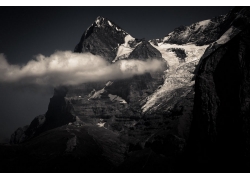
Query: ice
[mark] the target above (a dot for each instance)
(124, 49)
(110, 23)
(127, 39)
(178, 75)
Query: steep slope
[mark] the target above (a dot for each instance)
(220, 129)
(200, 33)
(102, 38)
(60, 112)
(144, 50)
(142, 124)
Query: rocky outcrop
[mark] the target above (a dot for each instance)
(200, 33)
(207, 31)
(154, 122)
(220, 130)
(143, 51)
(102, 38)
(60, 112)
(19, 135)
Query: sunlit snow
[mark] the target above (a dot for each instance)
(101, 124)
(110, 23)
(228, 35)
(202, 24)
(124, 49)
(179, 74)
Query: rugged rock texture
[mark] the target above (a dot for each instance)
(102, 38)
(143, 124)
(220, 130)
(60, 112)
(19, 135)
(200, 33)
(204, 32)
(95, 149)
(144, 51)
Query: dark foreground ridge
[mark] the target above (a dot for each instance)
(103, 127)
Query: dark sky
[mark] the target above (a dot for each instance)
(28, 31)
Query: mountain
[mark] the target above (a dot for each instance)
(191, 116)
(201, 33)
(102, 38)
(220, 128)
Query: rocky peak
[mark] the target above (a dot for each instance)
(144, 50)
(102, 38)
(102, 22)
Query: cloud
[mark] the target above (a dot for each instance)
(68, 68)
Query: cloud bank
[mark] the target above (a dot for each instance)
(68, 68)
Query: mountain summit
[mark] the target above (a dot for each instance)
(102, 38)
(193, 116)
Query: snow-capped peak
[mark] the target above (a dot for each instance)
(102, 22)
(99, 21)
(202, 24)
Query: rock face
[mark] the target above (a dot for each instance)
(144, 50)
(102, 38)
(220, 129)
(200, 33)
(203, 32)
(197, 109)
(60, 112)
(19, 135)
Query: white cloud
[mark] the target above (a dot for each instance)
(68, 68)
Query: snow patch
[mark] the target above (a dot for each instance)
(117, 98)
(192, 51)
(202, 24)
(227, 35)
(166, 37)
(97, 22)
(109, 83)
(117, 29)
(178, 75)
(100, 124)
(97, 94)
(110, 23)
(124, 49)
(127, 39)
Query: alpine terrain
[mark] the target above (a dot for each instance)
(193, 115)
